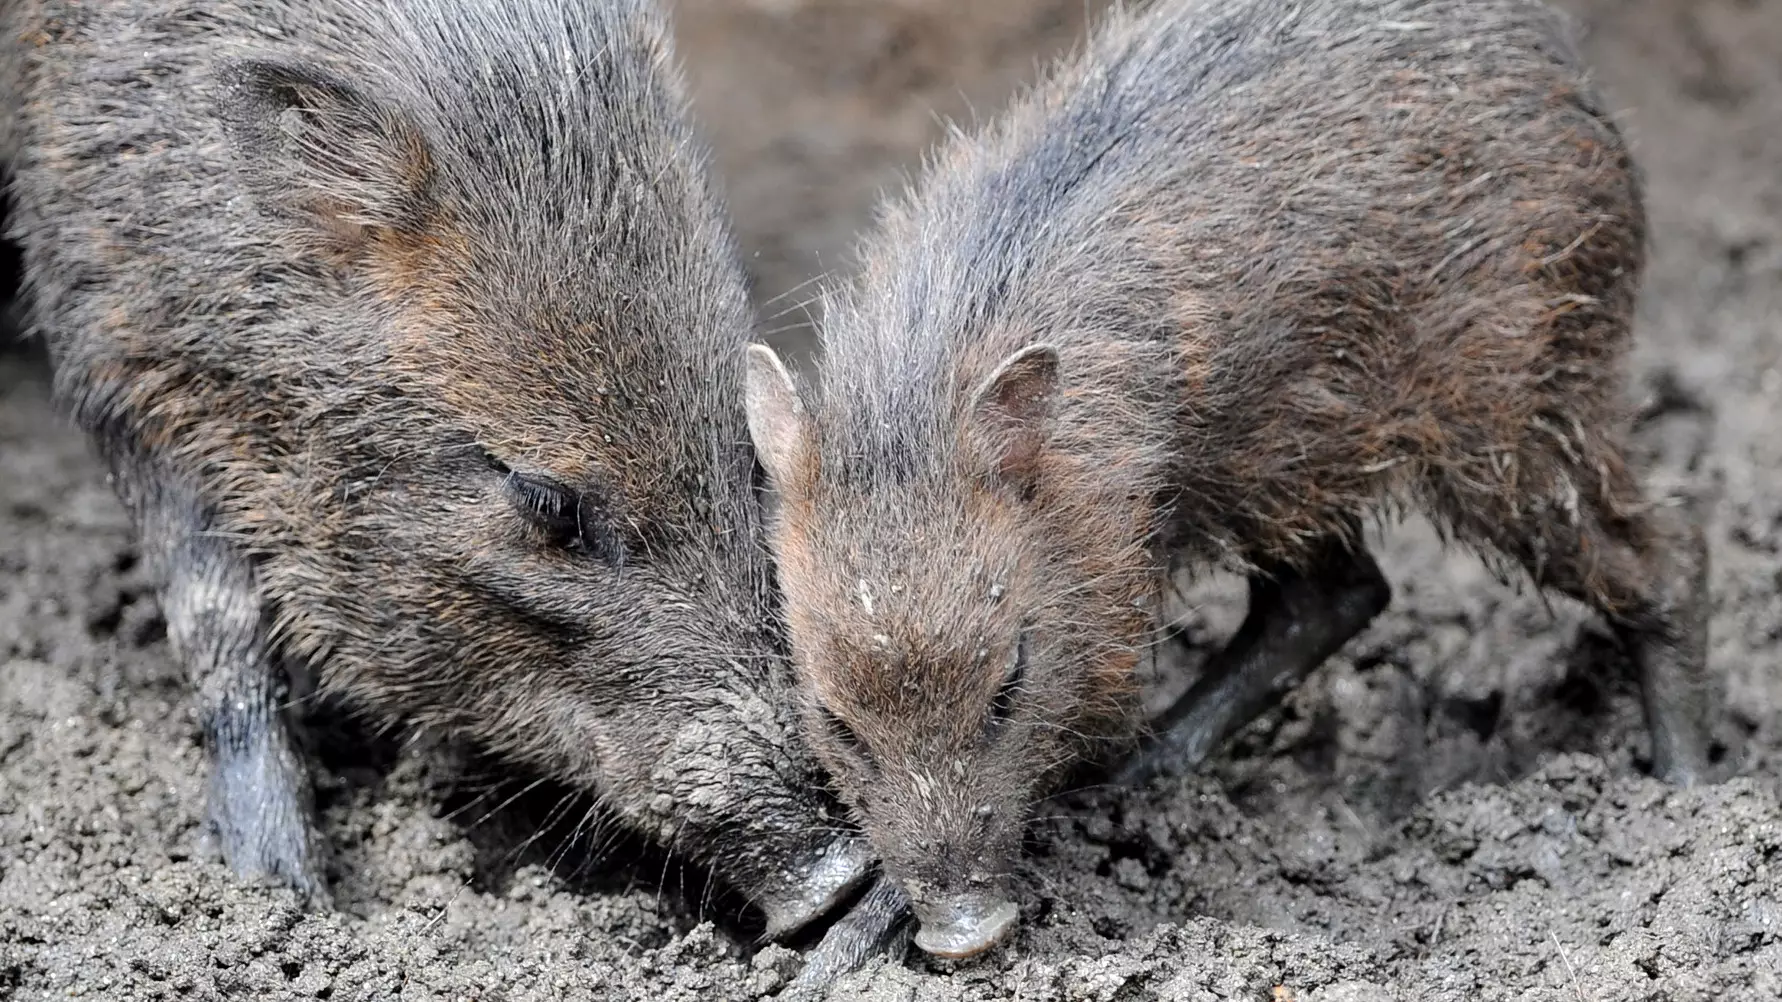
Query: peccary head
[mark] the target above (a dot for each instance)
(945, 635)
(524, 508)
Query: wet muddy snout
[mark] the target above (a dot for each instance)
(963, 925)
(807, 889)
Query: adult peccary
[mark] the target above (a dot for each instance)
(1246, 274)
(411, 333)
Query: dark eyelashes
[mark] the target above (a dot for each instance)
(548, 505)
(844, 735)
(1002, 705)
(566, 517)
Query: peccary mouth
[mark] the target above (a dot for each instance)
(812, 890)
(964, 926)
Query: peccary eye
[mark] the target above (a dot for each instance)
(566, 517)
(548, 505)
(1002, 705)
(843, 734)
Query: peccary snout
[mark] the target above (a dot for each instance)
(963, 925)
(797, 892)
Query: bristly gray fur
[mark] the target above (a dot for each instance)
(1029, 225)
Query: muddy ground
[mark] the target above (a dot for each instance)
(1455, 809)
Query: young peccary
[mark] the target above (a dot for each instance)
(411, 334)
(1244, 276)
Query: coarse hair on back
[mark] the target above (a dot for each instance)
(556, 131)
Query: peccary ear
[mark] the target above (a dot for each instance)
(315, 149)
(1010, 409)
(777, 420)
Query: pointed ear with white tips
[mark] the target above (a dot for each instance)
(1011, 408)
(777, 419)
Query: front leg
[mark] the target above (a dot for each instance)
(1297, 619)
(878, 925)
(259, 811)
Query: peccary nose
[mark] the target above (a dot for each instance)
(809, 888)
(965, 925)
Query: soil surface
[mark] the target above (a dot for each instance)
(1454, 809)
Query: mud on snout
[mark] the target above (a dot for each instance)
(955, 864)
(736, 789)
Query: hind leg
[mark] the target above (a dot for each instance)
(259, 802)
(1671, 650)
(1298, 617)
(1643, 568)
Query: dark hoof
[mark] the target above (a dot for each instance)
(1146, 764)
(258, 821)
(1682, 774)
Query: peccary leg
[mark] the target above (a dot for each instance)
(1669, 643)
(1297, 619)
(1645, 571)
(878, 925)
(259, 803)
